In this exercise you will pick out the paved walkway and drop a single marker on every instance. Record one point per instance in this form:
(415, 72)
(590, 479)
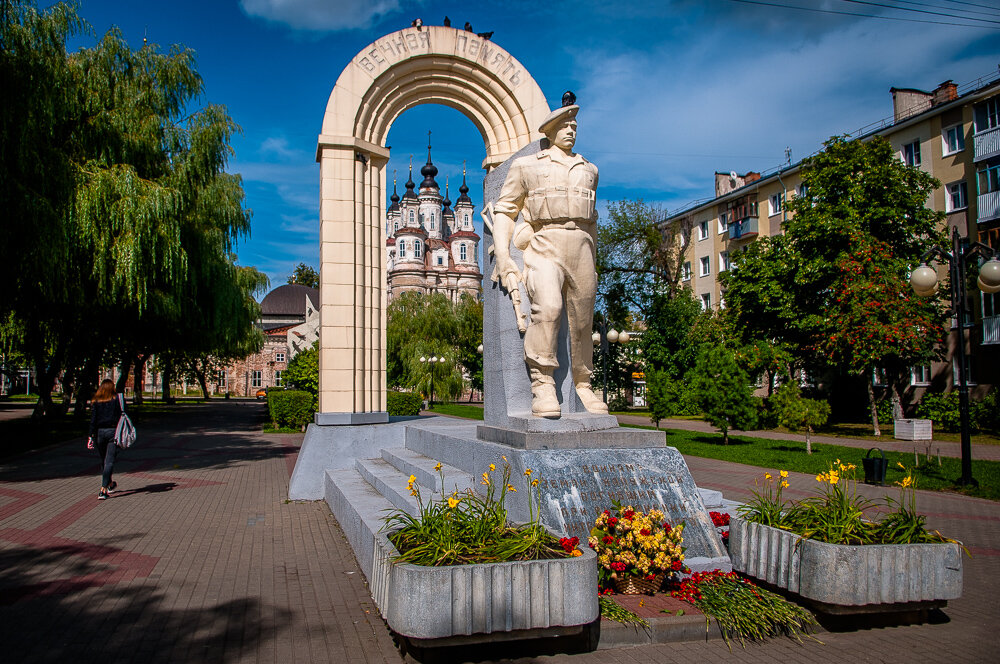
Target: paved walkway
(888, 443)
(200, 558)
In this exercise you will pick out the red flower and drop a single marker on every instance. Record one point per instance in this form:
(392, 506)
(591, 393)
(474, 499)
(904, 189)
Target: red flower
(644, 532)
(628, 514)
(612, 521)
(608, 539)
(676, 566)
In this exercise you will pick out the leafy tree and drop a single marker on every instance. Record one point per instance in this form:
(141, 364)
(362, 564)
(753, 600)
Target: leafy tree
(783, 290)
(302, 372)
(723, 390)
(636, 258)
(796, 412)
(667, 343)
(657, 383)
(469, 312)
(305, 276)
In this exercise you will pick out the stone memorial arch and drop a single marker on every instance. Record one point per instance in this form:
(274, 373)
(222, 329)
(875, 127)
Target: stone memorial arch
(418, 65)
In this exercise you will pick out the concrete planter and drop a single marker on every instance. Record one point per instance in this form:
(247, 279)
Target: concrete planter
(848, 579)
(440, 602)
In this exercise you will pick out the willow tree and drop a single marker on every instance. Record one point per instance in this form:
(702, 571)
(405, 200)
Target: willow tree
(119, 188)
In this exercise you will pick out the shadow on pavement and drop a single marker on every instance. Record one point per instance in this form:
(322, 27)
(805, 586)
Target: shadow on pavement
(146, 626)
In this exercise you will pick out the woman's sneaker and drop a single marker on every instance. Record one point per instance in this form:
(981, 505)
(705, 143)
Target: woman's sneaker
(103, 495)
(112, 487)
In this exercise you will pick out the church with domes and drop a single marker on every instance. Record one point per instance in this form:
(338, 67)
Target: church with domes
(430, 247)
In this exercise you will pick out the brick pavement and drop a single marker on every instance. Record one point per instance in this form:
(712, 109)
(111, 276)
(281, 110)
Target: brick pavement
(200, 559)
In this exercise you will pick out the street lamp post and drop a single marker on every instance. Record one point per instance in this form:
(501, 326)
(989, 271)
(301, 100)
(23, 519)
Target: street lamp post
(605, 337)
(430, 365)
(924, 282)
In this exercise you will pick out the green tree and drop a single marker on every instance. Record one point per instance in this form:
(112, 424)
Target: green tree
(302, 372)
(723, 391)
(783, 290)
(796, 412)
(657, 384)
(305, 276)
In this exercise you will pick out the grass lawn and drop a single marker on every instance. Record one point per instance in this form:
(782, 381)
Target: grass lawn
(471, 411)
(863, 431)
(787, 455)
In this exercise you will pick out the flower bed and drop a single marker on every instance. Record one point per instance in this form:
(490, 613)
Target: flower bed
(828, 550)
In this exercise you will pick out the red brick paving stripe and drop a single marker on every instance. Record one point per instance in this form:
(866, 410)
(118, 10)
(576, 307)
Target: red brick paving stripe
(22, 501)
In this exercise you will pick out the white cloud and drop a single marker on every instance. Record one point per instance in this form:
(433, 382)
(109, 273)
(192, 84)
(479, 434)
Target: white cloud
(321, 15)
(278, 146)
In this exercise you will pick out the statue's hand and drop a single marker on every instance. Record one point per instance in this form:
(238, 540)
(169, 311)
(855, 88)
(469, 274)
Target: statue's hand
(508, 273)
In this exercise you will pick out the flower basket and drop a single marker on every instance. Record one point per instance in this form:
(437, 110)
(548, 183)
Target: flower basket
(636, 585)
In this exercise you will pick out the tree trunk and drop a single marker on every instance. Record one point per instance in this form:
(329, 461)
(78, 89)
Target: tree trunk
(124, 369)
(168, 377)
(44, 380)
(202, 374)
(897, 401)
(809, 447)
(138, 379)
(725, 436)
(85, 387)
(871, 406)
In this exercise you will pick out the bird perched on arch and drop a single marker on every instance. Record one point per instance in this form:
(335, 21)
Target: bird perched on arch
(447, 22)
(468, 27)
(485, 35)
(417, 22)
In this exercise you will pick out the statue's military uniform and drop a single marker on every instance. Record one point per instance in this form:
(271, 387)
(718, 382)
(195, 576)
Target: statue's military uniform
(555, 195)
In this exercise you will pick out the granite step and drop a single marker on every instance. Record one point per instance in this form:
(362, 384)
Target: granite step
(390, 482)
(359, 509)
(410, 462)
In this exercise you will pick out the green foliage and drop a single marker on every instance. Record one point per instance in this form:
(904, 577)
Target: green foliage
(723, 391)
(667, 343)
(123, 218)
(796, 412)
(303, 371)
(612, 610)
(767, 506)
(831, 291)
(403, 403)
(466, 528)
(943, 409)
(656, 396)
(743, 609)
(432, 326)
(304, 275)
(290, 408)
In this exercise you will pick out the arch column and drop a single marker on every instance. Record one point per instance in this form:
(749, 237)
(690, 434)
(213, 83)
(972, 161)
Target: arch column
(432, 64)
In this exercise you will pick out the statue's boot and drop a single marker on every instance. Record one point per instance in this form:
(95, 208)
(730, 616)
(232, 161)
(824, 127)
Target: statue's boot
(590, 400)
(544, 402)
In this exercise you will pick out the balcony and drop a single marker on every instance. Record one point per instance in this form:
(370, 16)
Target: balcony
(987, 144)
(991, 330)
(989, 206)
(744, 229)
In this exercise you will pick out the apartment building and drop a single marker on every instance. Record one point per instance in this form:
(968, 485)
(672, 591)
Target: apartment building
(951, 133)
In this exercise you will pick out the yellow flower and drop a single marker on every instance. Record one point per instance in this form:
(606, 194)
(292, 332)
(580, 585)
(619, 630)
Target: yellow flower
(783, 473)
(767, 476)
(834, 478)
(437, 467)
(784, 485)
(837, 462)
(534, 482)
(821, 477)
(413, 478)
(486, 479)
(453, 502)
(900, 464)
(503, 457)
(576, 552)
(492, 467)
(907, 481)
(527, 473)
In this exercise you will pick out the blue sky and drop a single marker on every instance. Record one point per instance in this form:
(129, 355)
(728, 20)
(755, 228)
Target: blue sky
(670, 91)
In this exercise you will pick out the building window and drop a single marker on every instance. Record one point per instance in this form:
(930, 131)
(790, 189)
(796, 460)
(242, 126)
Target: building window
(411, 217)
(957, 198)
(989, 179)
(222, 379)
(724, 264)
(416, 248)
(724, 221)
(970, 379)
(440, 259)
(776, 201)
(402, 249)
(467, 220)
(277, 378)
(878, 376)
(255, 379)
(911, 153)
(279, 356)
(706, 266)
(703, 230)
(987, 116)
(991, 304)
(920, 375)
(802, 191)
(686, 272)
(462, 252)
(706, 301)
(953, 139)
(395, 226)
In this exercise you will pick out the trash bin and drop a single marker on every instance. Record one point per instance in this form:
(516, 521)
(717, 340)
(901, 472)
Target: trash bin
(875, 467)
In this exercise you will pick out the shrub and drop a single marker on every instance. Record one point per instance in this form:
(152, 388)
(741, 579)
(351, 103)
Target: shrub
(290, 408)
(985, 414)
(942, 408)
(403, 403)
(618, 404)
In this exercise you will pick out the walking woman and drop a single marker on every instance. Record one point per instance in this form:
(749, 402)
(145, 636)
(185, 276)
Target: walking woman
(106, 410)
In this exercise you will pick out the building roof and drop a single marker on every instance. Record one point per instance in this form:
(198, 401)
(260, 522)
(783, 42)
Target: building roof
(289, 300)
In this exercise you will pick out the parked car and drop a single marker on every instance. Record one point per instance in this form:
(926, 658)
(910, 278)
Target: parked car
(262, 394)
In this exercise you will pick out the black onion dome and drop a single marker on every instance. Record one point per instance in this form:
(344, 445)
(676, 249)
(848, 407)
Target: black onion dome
(409, 186)
(429, 170)
(447, 201)
(394, 198)
(464, 191)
